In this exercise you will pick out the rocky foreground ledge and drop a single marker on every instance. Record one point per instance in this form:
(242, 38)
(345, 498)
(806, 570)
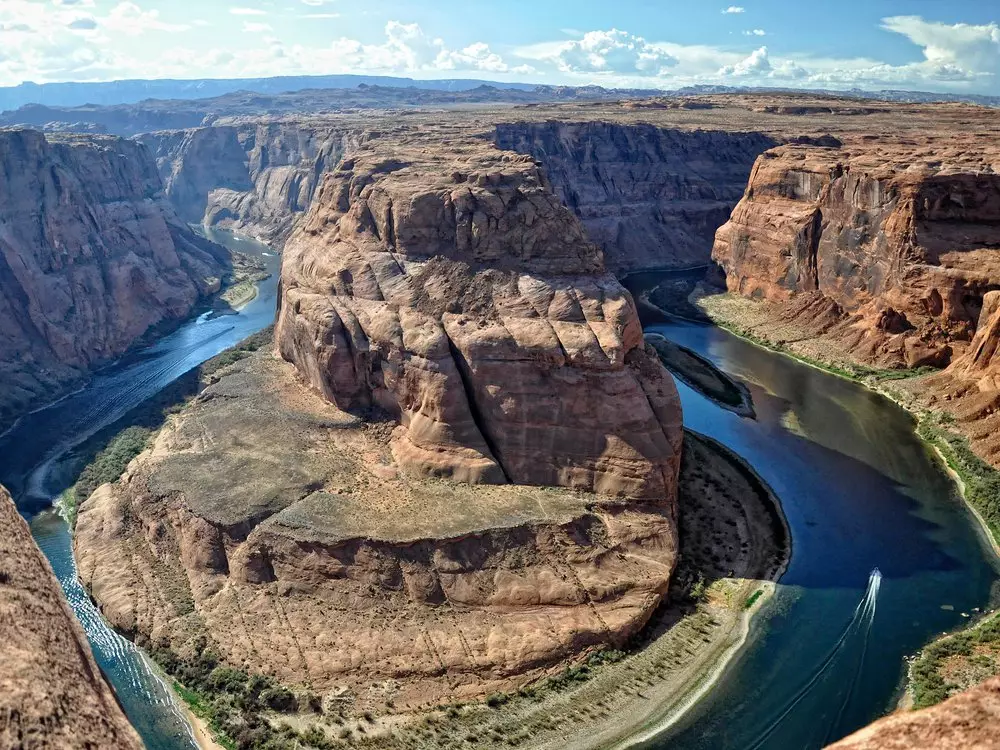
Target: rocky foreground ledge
(52, 694)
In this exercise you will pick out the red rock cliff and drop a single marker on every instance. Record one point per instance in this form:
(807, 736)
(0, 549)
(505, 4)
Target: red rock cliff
(456, 292)
(897, 240)
(52, 694)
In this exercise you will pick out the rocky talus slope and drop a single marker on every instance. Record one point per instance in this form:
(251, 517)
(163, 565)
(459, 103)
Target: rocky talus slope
(253, 178)
(967, 721)
(91, 257)
(464, 474)
(52, 695)
(884, 248)
(651, 197)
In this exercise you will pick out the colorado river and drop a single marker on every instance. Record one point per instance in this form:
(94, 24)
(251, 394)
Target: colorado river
(31, 453)
(885, 556)
(861, 493)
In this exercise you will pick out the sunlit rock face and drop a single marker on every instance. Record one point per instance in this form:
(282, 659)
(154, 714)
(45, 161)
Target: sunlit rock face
(892, 246)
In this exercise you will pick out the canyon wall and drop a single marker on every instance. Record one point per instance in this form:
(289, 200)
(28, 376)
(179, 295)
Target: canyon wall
(52, 694)
(651, 197)
(254, 178)
(888, 248)
(91, 257)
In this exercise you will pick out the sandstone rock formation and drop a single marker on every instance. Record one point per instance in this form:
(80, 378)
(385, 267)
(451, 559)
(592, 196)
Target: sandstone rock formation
(91, 257)
(283, 530)
(651, 197)
(52, 695)
(252, 178)
(459, 295)
(964, 722)
(450, 321)
(887, 247)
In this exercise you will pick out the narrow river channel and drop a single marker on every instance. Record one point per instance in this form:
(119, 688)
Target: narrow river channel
(825, 656)
(30, 456)
(861, 492)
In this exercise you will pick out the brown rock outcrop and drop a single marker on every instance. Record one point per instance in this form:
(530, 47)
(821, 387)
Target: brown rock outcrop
(651, 197)
(887, 247)
(458, 294)
(448, 289)
(281, 528)
(52, 694)
(966, 721)
(254, 178)
(91, 257)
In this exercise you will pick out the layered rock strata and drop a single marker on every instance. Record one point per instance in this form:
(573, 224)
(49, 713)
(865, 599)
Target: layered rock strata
(91, 257)
(460, 296)
(52, 694)
(282, 529)
(885, 248)
(444, 318)
(252, 178)
(651, 197)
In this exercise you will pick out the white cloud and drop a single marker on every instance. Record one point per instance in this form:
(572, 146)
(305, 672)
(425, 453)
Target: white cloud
(756, 63)
(755, 32)
(606, 52)
(734, 9)
(321, 15)
(317, 3)
(253, 27)
(247, 12)
(129, 18)
(953, 51)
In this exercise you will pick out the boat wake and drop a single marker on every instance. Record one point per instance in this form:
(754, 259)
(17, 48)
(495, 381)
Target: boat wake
(857, 632)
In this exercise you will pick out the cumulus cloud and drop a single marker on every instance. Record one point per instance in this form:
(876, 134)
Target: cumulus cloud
(734, 9)
(129, 18)
(951, 51)
(755, 32)
(756, 63)
(608, 52)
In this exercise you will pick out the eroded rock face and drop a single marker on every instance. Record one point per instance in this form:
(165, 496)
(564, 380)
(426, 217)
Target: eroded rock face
(443, 317)
(893, 246)
(966, 721)
(650, 197)
(52, 694)
(255, 178)
(460, 296)
(91, 256)
(284, 531)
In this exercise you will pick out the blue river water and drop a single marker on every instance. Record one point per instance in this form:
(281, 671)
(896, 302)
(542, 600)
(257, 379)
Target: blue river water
(827, 655)
(30, 455)
(885, 555)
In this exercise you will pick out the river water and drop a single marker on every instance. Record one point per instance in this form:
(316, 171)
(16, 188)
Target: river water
(861, 493)
(30, 455)
(826, 655)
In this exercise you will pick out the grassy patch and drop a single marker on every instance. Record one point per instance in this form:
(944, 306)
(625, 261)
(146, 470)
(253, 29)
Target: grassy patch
(851, 371)
(236, 703)
(982, 481)
(752, 599)
(103, 457)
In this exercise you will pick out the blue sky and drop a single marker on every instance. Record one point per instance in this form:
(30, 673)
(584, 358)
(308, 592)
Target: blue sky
(940, 45)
